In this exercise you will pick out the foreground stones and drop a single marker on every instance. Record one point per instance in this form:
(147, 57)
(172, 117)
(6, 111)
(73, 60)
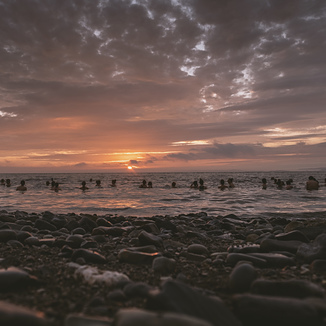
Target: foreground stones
(187, 270)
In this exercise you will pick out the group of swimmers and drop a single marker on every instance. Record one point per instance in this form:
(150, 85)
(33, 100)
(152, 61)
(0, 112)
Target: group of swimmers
(311, 184)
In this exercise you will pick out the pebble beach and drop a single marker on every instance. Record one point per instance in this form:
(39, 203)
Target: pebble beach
(192, 269)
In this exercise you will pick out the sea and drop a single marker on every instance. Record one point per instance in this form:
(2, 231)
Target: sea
(246, 200)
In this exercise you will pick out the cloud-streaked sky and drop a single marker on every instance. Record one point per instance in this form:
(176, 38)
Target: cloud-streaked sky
(161, 85)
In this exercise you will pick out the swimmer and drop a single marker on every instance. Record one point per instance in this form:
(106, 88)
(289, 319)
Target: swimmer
(98, 183)
(150, 184)
(144, 184)
(47, 183)
(2, 182)
(194, 185)
(312, 184)
(264, 181)
(230, 182)
(8, 183)
(288, 185)
(201, 184)
(174, 185)
(83, 187)
(222, 186)
(114, 183)
(56, 187)
(22, 186)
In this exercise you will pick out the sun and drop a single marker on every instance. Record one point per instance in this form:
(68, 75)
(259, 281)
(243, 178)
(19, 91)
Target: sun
(129, 167)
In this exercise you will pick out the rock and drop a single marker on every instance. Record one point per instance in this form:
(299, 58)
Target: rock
(192, 257)
(293, 235)
(80, 320)
(247, 249)
(89, 256)
(137, 289)
(270, 311)
(137, 257)
(242, 277)
(93, 275)
(87, 224)
(198, 249)
(7, 234)
(78, 230)
(318, 266)
(75, 240)
(275, 260)
(114, 231)
(14, 315)
(13, 278)
(308, 252)
(180, 298)
(279, 245)
(116, 295)
(293, 225)
(15, 244)
(233, 258)
(290, 288)
(136, 317)
(164, 265)
(146, 238)
(44, 225)
(32, 241)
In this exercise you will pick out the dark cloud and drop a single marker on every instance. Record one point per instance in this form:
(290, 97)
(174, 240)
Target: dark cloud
(144, 75)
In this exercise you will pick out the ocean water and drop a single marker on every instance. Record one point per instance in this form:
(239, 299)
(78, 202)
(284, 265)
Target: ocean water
(246, 200)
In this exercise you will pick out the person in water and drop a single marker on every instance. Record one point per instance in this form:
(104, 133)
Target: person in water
(144, 184)
(150, 184)
(230, 182)
(22, 186)
(8, 182)
(312, 184)
(288, 185)
(98, 183)
(56, 187)
(222, 185)
(201, 184)
(2, 182)
(194, 185)
(264, 181)
(114, 183)
(83, 187)
(174, 185)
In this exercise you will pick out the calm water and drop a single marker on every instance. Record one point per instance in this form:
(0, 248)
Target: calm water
(247, 199)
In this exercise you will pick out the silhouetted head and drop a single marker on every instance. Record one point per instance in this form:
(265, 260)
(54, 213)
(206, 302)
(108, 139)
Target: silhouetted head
(22, 182)
(222, 182)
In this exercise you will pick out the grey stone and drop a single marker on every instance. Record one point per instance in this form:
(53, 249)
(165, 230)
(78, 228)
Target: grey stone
(137, 257)
(89, 256)
(7, 234)
(280, 245)
(164, 265)
(270, 311)
(233, 258)
(146, 238)
(309, 252)
(80, 320)
(242, 277)
(198, 249)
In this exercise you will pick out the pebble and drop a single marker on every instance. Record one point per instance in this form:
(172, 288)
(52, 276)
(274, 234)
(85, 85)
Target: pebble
(241, 277)
(15, 279)
(89, 256)
(13, 315)
(308, 252)
(81, 320)
(271, 311)
(198, 249)
(164, 265)
(137, 257)
(7, 234)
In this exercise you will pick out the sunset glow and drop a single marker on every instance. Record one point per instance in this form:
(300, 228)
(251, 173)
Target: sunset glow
(171, 86)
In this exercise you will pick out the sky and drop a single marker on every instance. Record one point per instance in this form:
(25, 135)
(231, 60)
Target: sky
(162, 85)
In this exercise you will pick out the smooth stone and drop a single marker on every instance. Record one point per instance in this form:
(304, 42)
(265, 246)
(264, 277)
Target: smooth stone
(47, 242)
(75, 240)
(164, 265)
(80, 320)
(22, 235)
(7, 234)
(137, 257)
(192, 257)
(71, 225)
(280, 245)
(87, 224)
(41, 224)
(89, 244)
(198, 249)
(292, 235)
(13, 315)
(275, 260)
(78, 230)
(181, 298)
(241, 277)
(7, 218)
(151, 228)
(308, 252)
(137, 317)
(103, 222)
(318, 266)
(89, 256)
(293, 225)
(146, 238)
(270, 311)
(233, 258)
(15, 279)
(137, 289)
(32, 241)
(15, 244)
(117, 295)
(290, 288)
(252, 237)
(149, 249)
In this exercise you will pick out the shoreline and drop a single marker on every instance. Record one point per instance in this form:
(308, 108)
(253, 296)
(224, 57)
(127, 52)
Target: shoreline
(198, 255)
